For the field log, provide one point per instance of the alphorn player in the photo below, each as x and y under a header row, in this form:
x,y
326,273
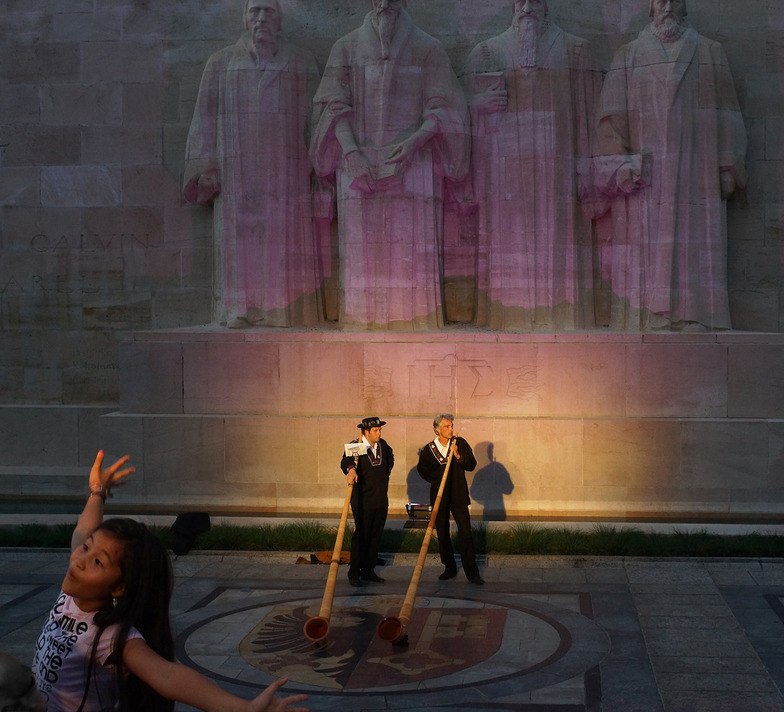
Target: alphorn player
x,y
369,502
455,499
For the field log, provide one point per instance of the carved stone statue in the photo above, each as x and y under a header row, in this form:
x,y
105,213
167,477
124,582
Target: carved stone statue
x,y
669,104
247,151
391,124
533,91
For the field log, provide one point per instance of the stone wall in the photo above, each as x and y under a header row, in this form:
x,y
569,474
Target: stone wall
x,y
622,426
605,425
95,107
98,250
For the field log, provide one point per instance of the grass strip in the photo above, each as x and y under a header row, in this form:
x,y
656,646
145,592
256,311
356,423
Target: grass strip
x,y
519,539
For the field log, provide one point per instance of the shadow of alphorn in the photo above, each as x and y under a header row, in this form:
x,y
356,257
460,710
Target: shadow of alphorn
x,y
392,629
317,628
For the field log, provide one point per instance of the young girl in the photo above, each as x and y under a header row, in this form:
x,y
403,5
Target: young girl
x,y
108,637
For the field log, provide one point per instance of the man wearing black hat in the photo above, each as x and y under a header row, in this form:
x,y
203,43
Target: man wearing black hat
x,y
369,503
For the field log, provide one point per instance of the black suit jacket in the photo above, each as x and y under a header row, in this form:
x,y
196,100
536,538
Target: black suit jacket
x,y
373,476
431,467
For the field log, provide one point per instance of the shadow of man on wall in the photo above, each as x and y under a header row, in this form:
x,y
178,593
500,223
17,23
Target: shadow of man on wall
x,y
490,483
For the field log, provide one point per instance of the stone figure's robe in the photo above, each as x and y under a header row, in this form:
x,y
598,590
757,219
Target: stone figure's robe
x,y
531,162
669,254
250,127
391,240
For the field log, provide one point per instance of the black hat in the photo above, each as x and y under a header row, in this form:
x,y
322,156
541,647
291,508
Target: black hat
x,y
374,422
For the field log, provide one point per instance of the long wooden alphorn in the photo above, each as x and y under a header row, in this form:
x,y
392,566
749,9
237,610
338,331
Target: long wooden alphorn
x,y
393,629
317,627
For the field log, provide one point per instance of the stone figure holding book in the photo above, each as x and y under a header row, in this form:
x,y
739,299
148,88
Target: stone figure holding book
x,y
392,126
672,148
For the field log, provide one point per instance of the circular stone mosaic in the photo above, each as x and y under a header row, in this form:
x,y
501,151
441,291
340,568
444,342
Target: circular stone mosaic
x,y
515,643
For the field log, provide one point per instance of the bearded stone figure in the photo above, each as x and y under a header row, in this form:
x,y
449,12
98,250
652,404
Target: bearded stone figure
x,y
672,148
392,126
247,154
532,92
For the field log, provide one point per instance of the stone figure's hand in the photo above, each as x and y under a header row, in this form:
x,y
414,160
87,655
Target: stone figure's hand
x,y
628,179
491,101
403,154
728,184
361,172
207,187
209,180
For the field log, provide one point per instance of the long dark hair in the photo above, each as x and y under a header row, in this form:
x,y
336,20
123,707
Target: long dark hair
x,y
144,605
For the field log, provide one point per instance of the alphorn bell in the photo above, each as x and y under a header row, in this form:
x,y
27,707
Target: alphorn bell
x,y
392,629
317,627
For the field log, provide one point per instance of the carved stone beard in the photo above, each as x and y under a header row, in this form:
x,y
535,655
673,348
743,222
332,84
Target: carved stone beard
x,y
669,30
385,24
528,29
265,50
265,43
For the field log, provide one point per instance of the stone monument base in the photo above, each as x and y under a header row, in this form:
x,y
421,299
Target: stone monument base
x,y
599,425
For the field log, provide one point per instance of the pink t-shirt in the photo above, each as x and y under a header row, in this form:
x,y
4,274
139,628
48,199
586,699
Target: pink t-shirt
x,y
62,659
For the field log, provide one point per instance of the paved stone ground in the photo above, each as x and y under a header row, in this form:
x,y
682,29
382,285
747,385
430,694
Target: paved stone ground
x,y
545,634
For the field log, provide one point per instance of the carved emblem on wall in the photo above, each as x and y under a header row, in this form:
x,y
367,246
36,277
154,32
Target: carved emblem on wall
x,y
521,382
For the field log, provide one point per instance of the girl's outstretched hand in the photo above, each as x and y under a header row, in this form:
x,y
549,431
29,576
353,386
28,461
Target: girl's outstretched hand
x,y
267,702
105,479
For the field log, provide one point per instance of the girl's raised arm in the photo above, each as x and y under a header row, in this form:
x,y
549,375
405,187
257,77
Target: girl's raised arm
x,y
101,483
181,683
